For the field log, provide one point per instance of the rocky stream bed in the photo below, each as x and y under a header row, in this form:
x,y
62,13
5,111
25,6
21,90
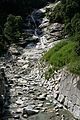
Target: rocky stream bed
x,y
28,95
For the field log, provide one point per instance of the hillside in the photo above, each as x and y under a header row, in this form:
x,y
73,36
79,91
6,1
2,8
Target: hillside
x,y
68,13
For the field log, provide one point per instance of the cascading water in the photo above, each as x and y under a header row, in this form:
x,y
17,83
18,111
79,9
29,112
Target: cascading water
x,y
35,25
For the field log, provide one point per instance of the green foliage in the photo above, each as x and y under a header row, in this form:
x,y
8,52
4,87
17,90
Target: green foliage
x,y
13,28
68,12
74,67
68,28
62,54
66,53
55,16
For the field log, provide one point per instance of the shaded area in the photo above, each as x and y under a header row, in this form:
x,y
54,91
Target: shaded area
x,y
4,96
78,84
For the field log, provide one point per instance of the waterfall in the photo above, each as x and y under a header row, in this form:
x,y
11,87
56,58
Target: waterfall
x,y
33,19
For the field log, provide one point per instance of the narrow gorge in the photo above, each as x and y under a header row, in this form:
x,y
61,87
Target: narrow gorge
x,y
25,93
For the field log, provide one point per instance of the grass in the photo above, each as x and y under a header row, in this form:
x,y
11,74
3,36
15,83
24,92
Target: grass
x,y
63,54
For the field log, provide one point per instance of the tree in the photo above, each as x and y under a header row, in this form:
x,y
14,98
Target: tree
x,y
13,28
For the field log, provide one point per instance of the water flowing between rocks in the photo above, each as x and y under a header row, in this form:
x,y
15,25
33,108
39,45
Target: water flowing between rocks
x,y
28,92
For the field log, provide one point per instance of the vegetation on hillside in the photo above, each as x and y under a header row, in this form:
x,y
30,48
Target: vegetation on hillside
x,y
62,54
12,14
66,52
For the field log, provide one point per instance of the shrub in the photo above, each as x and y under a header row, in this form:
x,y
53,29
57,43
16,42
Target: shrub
x,y
68,28
1,47
62,54
56,14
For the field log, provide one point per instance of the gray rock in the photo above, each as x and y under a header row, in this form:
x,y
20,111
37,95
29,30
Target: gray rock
x,y
42,97
66,102
30,111
76,111
19,102
17,116
61,98
55,95
55,27
19,110
60,106
57,87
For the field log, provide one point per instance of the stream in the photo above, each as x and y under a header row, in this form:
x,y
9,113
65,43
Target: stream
x,y
29,96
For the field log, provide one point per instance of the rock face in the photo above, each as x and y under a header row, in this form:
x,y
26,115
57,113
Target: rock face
x,y
70,92
28,92
67,90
